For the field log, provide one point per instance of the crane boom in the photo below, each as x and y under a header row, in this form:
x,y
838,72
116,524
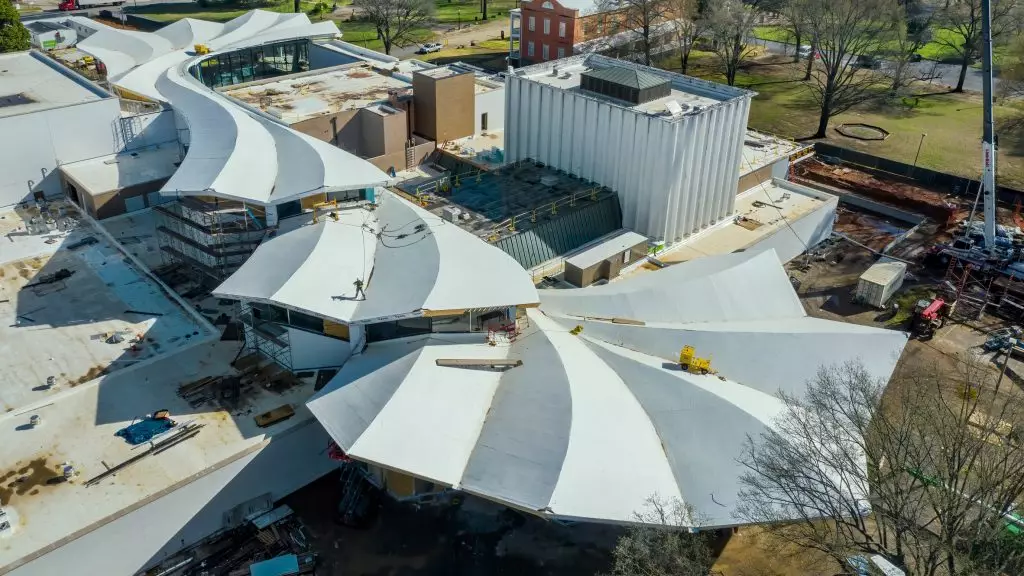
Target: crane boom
x,y
988,144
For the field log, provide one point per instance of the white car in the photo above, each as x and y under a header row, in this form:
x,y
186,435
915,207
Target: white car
x,y
804,51
429,48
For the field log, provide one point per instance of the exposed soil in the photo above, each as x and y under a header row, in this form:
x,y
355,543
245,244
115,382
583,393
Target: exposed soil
x,y
902,194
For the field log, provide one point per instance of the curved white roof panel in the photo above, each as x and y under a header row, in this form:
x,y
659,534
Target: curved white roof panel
x,y
187,32
590,426
234,152
411,262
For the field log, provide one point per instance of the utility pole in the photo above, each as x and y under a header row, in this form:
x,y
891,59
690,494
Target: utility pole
x,y
988,145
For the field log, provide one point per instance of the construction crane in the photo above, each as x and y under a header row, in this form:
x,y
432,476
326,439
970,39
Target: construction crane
x,y
988,152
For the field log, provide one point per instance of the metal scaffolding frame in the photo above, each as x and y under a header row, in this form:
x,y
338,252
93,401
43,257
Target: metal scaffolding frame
x,y
266,339
212,238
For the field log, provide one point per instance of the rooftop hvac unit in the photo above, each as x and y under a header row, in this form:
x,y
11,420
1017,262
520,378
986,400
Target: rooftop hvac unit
x,y
450,213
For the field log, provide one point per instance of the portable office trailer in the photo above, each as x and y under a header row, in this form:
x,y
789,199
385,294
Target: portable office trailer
x,y
877,285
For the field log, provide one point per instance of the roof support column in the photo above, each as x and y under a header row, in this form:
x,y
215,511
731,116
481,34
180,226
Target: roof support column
x,y
271,212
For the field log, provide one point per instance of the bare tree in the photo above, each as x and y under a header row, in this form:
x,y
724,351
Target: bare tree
x,y
912,29
731,23
1012,79
925,474
644,18
843,33
961,21
396,20
660,545
796,24
689,25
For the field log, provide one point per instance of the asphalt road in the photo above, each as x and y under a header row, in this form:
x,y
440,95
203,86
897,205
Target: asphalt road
x,y
50,8
943,74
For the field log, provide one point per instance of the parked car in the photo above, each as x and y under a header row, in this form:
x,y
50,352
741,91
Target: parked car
x,y
865,61
804,51
429,48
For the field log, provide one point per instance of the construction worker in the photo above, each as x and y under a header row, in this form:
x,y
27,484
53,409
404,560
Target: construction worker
x,y
359,288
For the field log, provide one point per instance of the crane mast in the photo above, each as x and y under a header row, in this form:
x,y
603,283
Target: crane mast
x,y
988,144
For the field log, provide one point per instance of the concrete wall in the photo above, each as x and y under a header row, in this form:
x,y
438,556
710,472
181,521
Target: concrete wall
x,y
311,350
143,130
33,145
164,526
790,241
493,104
673,178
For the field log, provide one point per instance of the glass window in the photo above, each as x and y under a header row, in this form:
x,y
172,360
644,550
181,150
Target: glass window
x,y
269,313
561,29
544,51
561,52
397,329
533,24
305,321
458,323
289,209
547,25
529,48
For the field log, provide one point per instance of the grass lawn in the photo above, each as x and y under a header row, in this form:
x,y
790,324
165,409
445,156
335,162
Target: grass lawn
x,y
952,122
937,50
489,54
214,13
466,11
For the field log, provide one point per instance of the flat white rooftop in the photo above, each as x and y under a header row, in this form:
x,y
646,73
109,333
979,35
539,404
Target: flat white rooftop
x,y
691,93
30,83
61,329
777,207
317,93
78,427
117,171
622,240
760,150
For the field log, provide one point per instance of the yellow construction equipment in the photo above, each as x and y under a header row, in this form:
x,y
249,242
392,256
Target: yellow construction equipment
x,y
328,205
201,49
689,361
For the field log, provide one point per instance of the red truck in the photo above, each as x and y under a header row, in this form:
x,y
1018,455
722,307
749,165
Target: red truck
x,y
68,5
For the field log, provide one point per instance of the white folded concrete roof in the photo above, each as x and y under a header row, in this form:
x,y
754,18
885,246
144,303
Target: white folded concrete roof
x,y
592,425
411,263
234,152
30,82
117,171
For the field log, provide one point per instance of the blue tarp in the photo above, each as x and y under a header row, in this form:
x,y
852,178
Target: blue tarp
x,y
145,430
280,566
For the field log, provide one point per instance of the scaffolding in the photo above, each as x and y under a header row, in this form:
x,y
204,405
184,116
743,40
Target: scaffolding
x,y
212,238
969,288
267,339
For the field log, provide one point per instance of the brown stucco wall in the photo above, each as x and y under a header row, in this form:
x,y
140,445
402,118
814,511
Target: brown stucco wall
x,y
444,106
342,129
111,203
748,181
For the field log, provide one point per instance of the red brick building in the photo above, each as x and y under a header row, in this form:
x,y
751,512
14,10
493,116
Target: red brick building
x,y
550,28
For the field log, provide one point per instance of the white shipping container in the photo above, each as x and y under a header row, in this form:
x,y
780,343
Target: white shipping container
x,y
878,283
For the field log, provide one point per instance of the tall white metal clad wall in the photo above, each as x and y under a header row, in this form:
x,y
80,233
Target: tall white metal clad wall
x,y
673,178
34,144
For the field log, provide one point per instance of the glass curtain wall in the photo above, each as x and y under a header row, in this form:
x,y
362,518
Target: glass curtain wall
x,y
256,63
